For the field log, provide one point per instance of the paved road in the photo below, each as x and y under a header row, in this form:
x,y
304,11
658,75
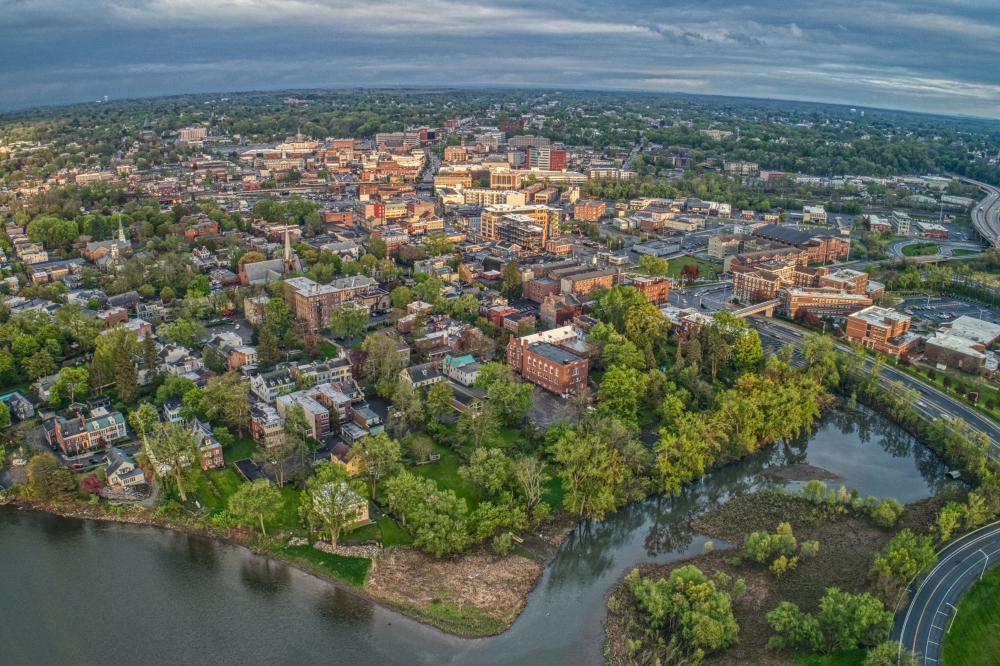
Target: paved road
x,y
946,249
922,630
986,214
932,403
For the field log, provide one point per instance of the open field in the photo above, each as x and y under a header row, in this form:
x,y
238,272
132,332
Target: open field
x,y
973,638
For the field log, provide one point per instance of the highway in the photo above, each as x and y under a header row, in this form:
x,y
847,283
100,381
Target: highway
x,y
922,630
932,403
986,214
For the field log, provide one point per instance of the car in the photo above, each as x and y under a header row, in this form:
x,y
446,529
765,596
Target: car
x,y
237,327
77,465
95,461
19,462
55,447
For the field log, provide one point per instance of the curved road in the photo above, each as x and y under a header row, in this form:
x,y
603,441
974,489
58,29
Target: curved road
x,y
986,214
922,630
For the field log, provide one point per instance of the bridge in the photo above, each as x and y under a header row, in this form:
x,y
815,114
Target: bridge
x,y
986,213
767,307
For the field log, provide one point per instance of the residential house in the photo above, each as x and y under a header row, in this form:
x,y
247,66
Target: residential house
x,y
208,445
317,416
463,369
122,471
266,425
424,374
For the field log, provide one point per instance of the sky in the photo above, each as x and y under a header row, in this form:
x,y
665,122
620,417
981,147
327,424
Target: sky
x,y
935,56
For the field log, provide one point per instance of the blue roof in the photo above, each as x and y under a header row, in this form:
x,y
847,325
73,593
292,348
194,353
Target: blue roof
x,y
459,361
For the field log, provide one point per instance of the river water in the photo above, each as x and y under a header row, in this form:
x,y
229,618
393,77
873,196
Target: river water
x,y
84,592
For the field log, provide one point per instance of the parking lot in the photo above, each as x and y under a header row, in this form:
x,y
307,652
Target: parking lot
x,y
948,308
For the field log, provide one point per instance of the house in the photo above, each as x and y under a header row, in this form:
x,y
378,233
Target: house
x,y
241,356
122,472
211,449
424,374
340,453
19,406
359,505
268,386
463,369
85,432
317,416
365,417
266,425
172,410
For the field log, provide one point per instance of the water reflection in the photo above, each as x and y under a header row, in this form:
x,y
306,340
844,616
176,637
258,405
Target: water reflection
x,y
341,607
264,575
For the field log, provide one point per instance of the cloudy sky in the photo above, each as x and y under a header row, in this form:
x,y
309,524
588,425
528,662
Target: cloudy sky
x,y
936,56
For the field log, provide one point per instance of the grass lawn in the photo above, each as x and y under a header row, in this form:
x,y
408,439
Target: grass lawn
x,y
705,268
361,534
393,534
973,638
963,253
843,658
920,249
226,481
327,350
288,517
351,570
552,491
445,474
241,448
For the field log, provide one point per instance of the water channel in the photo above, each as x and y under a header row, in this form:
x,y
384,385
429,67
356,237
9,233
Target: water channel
x,y
85,592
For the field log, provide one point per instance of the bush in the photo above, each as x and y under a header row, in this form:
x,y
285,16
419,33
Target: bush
x,y
887,512
900,560
91,483
844,622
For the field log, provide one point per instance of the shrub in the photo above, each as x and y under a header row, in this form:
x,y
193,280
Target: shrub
x,y
900,561
809,548
887,512
931,374
91,483
843,623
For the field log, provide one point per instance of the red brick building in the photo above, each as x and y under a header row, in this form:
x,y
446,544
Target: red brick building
x,y
554,368
588,211
881,329
821,246
538,288
656,289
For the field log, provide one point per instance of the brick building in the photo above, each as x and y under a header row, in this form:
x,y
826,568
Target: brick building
x,y
656,289
554,368
538,288
821,246
881,329
821,301
571,338
588,211
581,284
312,303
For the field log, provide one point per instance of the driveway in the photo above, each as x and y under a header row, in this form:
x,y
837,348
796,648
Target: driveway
x,y
549,408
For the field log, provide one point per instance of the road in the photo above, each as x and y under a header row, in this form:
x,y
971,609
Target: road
x,y
946,249
922,630
986,214
932,403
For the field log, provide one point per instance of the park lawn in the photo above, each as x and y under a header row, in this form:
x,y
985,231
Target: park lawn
x,y
351,570
842,658
445,474
327,350
705,268
973,638
920,249
241,448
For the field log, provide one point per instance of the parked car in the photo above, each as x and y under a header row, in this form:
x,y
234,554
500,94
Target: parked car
x,y
77,465
19,462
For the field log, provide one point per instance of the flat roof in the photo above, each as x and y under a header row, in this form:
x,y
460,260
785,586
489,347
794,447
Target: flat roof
x,y
974,329
553,353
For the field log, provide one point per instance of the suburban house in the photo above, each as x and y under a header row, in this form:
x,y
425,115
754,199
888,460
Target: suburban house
x,y
211,449
74,435
269,385
122,472
463,369
424,374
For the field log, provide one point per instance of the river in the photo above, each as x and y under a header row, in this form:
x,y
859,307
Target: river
x,y
85,592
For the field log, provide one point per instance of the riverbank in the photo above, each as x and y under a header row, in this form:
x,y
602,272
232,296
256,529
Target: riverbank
x,y
472,595
847,546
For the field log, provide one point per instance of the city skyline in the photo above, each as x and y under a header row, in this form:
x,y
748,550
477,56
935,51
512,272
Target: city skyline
x,y
61,51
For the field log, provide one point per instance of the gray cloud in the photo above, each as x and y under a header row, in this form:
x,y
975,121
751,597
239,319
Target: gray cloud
x,y
924,55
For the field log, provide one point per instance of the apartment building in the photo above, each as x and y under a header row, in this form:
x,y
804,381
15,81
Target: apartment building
x,y
812,214
656,289
742,168
569,337
313,303
581,284
900,223
545,158
881,329
588,211
554,368
484,196
505,180
317,416
266,426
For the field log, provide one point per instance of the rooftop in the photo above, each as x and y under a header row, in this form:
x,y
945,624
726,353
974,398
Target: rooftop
x,y
553,353
878,316
974,329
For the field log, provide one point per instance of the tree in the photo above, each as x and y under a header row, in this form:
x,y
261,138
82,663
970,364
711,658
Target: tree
x,y
687,607
376,247
439,398
900,560
440,524
405,492
49,480
39,365
614,306
590,469
52,231
286,448
184,332
331,503
226,396
843,623
620,351
428,288
656,266
4,415
510,287
174,451
889,654
348,320
477,422
689,272
621,392
530,474
377,458
267,347
401,297
72,382
685,450
382,359
251,258
149,356
78,326
253,502
127,377
489,470
199,287
747,352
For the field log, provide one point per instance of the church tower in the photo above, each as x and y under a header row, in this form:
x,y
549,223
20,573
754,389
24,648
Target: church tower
x,y
288,263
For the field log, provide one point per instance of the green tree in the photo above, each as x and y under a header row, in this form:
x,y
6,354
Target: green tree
x,y
72,382
348,320
376,247
49,480
39,365
901,559
405,492
747,352
277,316
382,360
478,422
843,622
614,306
184,332
590,469
685,450
127,377
688,608
267,347
255,502
78,326
621,393
226,396
490,470
440,523
331,502
175,454
144,420
656,266
377,458
401,297
510,287
620,351
439,398
510,399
